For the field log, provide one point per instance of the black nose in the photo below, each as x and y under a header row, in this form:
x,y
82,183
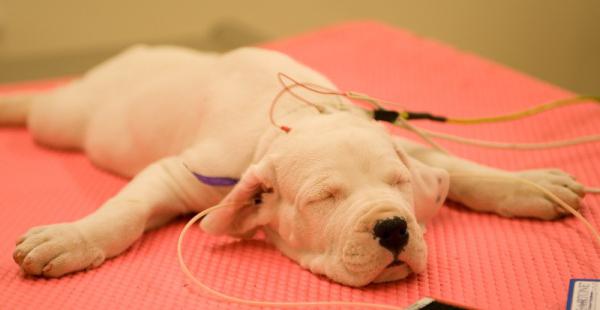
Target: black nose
x,y
392,233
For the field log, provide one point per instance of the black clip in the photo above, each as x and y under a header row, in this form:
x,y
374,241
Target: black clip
x,y
385,115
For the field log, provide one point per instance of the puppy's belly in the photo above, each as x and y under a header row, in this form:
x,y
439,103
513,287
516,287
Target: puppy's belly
x,y
125,138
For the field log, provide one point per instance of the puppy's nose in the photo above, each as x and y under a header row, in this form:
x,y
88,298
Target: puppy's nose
x,y
392,233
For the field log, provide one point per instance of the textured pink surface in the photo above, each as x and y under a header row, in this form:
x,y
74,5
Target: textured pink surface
x,y
477,259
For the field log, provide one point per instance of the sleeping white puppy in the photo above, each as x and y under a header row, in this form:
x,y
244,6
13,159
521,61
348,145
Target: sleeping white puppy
x,y
338,194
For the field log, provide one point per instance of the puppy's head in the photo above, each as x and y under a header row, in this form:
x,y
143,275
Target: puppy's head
x,y
343,201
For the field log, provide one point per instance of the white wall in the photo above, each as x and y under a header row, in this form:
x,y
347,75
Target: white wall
x,y
555,40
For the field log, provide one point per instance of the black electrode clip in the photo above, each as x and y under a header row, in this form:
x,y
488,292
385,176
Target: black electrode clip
x,y
427,116
391,116
386,115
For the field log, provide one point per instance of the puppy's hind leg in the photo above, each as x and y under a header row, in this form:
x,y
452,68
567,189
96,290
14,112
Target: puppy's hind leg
x,y
14,109
55,118
58,119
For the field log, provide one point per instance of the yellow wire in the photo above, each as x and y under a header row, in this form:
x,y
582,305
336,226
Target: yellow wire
x,y
492,119
525,113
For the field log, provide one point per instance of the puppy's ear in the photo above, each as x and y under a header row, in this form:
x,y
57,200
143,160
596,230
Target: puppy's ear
x,y
242,211
430,186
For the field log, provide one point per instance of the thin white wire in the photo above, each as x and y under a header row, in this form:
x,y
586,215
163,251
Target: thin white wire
x,y
509,145
423,134
554,198
427,134
592,190
242,301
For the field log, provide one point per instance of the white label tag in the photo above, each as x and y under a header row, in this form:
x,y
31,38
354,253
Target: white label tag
x,y
584,294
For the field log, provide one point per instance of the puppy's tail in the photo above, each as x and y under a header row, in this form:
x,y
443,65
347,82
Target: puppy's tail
x,y
15,108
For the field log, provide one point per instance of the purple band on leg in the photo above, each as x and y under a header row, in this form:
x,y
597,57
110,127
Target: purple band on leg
x,y
213,181
216,181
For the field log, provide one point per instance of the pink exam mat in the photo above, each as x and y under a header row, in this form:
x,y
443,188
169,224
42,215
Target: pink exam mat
x,y
475,259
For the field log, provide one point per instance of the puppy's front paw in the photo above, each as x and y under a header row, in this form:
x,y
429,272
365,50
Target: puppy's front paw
x,y
55,250
527,201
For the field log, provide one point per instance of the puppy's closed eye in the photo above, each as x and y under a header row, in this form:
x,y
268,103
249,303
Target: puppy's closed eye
x,y
398,178
321,195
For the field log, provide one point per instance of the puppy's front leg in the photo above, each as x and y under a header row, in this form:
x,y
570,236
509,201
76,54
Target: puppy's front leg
x,y
488,189
160,192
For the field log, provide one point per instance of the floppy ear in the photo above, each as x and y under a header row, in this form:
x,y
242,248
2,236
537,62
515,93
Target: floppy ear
x,y
242,211
430,186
